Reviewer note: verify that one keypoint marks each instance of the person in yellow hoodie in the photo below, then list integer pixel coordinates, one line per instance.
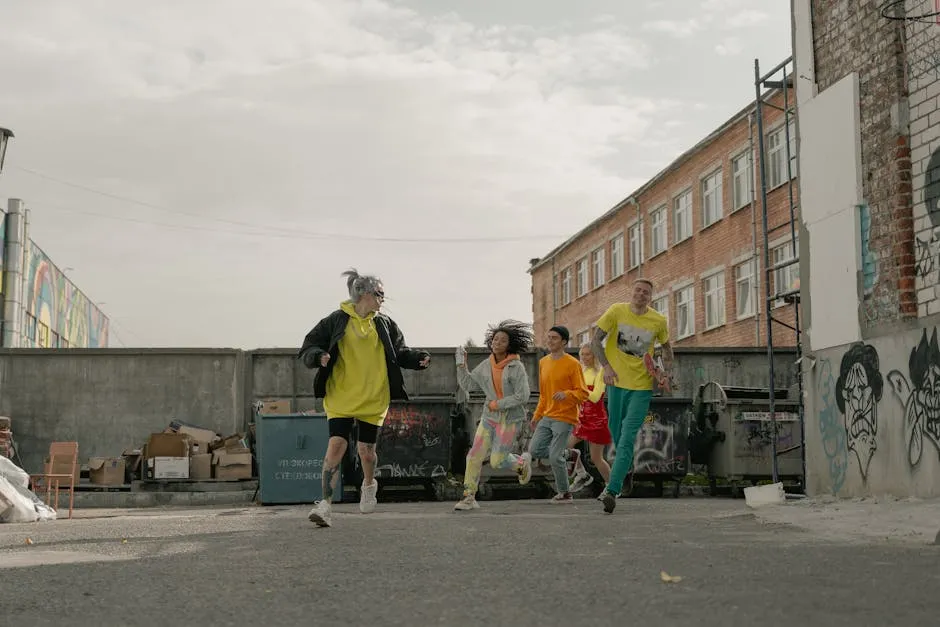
(358, 353)
(561, 391)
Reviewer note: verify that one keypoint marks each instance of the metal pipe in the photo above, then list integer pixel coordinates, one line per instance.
(12, 274)
(763, 190)
(780, 66)
(750, 191)
(27, 246)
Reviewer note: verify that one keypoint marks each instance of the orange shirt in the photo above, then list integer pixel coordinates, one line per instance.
(560, 375)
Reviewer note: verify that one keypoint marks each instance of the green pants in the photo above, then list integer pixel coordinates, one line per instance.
(627, 411)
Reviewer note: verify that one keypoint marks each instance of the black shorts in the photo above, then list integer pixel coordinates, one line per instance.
(342, 428)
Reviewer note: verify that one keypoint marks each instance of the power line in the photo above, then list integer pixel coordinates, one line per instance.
(264, 230)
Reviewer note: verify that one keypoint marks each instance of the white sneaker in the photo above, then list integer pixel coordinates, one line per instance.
(367, 500)
(321, 514)
(525, 473)
(467, 503)
(582, 481)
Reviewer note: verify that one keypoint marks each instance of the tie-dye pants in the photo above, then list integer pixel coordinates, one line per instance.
(494, 438)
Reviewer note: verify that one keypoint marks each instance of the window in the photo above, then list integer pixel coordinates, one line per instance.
(582, 277)
(616, 256)
(742, 174)
(685, 312)
(711, 199)
(43, 335)
(744, 289)
(636, 245)
(597, 267)
(565, 286)
(661, 305)
(30, 331)
(658, 231)
(714, 287)
(777, 154)
(785, 279)
(682, 218)
(584, 338)
(55, 340)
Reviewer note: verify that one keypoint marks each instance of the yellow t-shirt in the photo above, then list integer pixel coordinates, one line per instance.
(629, 338)
(358, 385)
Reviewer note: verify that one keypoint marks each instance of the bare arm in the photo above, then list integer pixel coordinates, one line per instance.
(669, 358)
(597, 346)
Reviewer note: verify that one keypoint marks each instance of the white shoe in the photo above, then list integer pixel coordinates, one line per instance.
(467, 503)
(321, 514)
(367, 500)
(581, 482)
(525, 473)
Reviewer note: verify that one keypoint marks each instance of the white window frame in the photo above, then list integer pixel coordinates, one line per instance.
(635, 238)
(776, 150)
(616, 256)
(582, 276)
(742, 181)
(566, 286)
(584, 338)
(661, 304)
(658, 239)
(713, 288)
(682, 217)
(744, 275)
(712, 209)
(784, 277)
(685, 297)
(597, 267)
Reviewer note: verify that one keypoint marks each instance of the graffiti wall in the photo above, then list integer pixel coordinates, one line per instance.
(923, 65)
(873, 417)
(58, 314)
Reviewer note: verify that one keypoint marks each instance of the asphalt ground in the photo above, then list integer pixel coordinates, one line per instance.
(509, 563)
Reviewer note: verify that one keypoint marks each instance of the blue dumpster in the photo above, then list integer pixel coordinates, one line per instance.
(290, 449)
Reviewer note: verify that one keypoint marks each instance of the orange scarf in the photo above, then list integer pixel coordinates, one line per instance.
(498, 372)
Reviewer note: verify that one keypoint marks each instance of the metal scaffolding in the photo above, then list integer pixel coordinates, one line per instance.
(780, 79)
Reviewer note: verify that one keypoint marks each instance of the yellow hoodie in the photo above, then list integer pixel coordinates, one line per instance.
(358, 385)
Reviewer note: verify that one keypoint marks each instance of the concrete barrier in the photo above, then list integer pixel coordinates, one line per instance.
(112, 399)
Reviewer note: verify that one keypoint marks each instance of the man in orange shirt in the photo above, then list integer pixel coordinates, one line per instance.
(561, 391)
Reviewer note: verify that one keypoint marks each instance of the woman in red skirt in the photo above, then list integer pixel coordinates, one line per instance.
(593, 427)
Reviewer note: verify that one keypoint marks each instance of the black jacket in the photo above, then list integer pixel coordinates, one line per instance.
(325, 337)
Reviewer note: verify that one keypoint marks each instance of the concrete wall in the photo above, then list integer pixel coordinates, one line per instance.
(873, 417)
(112, 399)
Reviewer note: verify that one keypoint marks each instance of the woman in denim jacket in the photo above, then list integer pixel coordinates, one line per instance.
(503, 379)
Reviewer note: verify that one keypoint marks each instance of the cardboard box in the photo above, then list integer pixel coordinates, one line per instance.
(168, 467)
(106, 470)
(200, 466)
(199, 434)
(197, 447)
(274, 407)
(232, 464)
(133, 466)
(236, 441)
(167, 445)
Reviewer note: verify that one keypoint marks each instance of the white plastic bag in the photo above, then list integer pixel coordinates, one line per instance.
(17, 502)
(13, 473)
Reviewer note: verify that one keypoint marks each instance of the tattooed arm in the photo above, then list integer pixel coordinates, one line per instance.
(597, 347)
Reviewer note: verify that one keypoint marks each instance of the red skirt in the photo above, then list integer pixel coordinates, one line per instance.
(593, 423)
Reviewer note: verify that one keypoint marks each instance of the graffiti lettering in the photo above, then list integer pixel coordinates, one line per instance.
(397, 471)
(830, 429)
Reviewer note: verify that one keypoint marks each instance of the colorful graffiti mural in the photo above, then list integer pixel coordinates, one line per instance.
(58, 313)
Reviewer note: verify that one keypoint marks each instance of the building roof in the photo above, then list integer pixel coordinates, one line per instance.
(688, 154)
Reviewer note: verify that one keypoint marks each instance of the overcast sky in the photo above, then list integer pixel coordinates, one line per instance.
(245, 153)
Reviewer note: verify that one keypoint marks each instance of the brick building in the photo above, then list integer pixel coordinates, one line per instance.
(868, 97)
(696, 230)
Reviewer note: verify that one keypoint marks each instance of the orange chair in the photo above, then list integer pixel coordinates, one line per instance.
(52, 482)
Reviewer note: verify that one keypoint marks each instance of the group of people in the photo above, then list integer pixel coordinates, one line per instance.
(601, 398)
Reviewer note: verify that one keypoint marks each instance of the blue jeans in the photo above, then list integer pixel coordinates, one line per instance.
(550, 441)
(628, 409)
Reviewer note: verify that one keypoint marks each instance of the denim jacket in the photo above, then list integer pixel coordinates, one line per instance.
(512, 406)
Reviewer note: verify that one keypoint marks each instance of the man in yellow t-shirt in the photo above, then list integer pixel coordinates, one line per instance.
(631, 331)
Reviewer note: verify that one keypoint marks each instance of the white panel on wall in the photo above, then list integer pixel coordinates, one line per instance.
(830, 194)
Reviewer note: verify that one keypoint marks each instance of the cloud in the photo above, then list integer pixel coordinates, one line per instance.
(730, 46)
(677, 28)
